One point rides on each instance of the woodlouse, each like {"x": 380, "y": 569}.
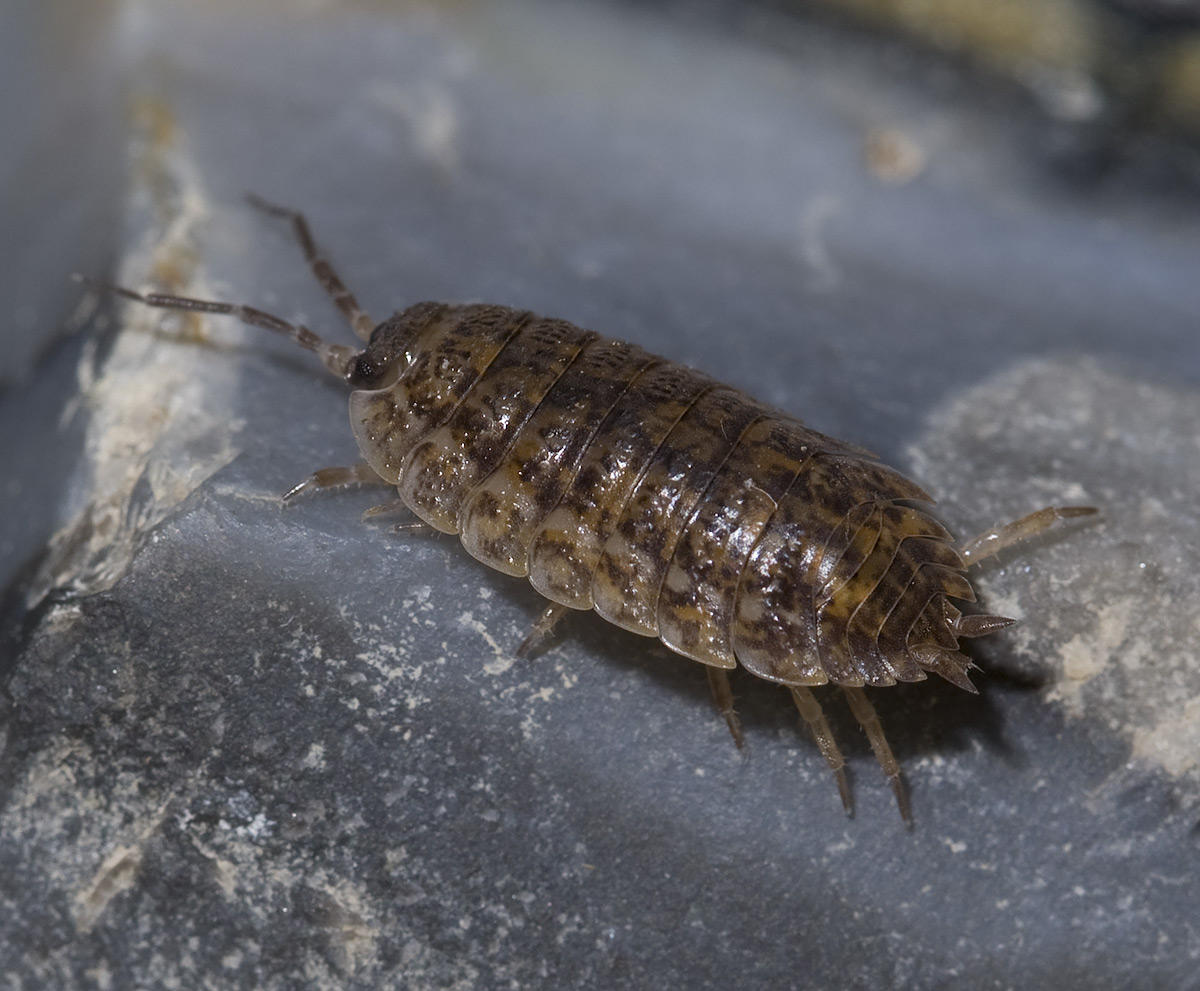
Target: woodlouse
{"x": 672, "y": 505}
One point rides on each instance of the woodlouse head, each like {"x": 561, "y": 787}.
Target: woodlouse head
{"x": 389, "y": 351}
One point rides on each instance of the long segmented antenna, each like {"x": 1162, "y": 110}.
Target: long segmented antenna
{"x": 343, "y": 298}
{"x": 338, "y": 358}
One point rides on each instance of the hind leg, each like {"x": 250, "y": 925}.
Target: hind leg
{"x": 867, "y": 718}
{"x": 993, "y": 541}
{"x": 718, "y": 684}
{"x": 811, "y": 713}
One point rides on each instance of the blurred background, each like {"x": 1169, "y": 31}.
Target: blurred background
{"x": 245, "y": 746}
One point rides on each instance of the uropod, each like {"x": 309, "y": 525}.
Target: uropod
{"x": 674, "y": 506}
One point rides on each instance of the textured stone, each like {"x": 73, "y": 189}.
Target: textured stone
{"x": 248, "y": 745}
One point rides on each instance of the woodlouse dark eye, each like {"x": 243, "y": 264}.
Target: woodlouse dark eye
{"x": 366, "y": 371}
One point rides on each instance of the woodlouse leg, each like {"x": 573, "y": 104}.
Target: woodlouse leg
{"x": 396, "y": 506}
{"x": 338, "y": 358}
{"x": 543, "y": 629}
{"x": 332, "y": 478}
{"x": 868, "y": 719}
{"x": 810, "y": 712}
{"x": 386, "y": 509}
{"x": 359, "y": 474}
{"x": 342, "y": 297}
{"x": 722, "y": 693}
{"x": 993, "y": 541}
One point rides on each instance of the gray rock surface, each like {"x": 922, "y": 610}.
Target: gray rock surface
{"x": 265, "y": 747}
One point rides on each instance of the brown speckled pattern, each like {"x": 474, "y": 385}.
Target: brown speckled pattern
{"x": 566, "y": 549}
{"x": 442, "y": 470}
{"x": 499, "y": 519}
{"x": 635, "y": 559}
{"x": 674, "y": 506}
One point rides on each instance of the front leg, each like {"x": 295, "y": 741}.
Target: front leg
{"x": 334, "y": 478}
{"x": 359, "y": 474}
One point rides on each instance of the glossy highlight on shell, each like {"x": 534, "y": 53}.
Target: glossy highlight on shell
{"x": 672, "y": 505}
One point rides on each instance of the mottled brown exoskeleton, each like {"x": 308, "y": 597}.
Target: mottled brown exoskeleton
{"x": 672, "y": 505}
